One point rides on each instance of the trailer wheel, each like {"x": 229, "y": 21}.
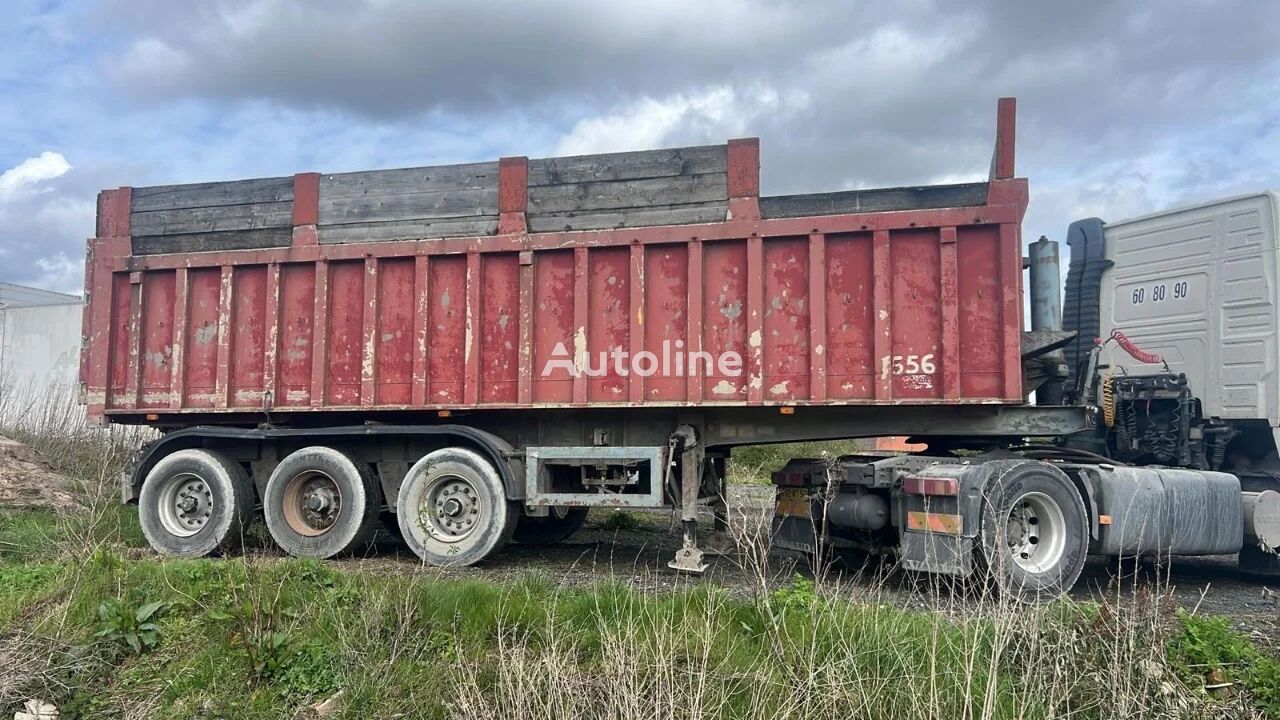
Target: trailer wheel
{"x": 556, "y": 526}
{"x": 1035, "y": 533}
{"x": 195, "y": 503}
{"x": 320, "y": 502}
{"x": 453, "y": 508}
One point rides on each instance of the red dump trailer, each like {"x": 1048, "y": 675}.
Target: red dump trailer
{"x": 482, "y": 352}
{"x": 328, "y": 295}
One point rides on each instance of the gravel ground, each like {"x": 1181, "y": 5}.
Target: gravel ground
{"x": 637, "y": 555}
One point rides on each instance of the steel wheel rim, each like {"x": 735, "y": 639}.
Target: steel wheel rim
{"x": 312, "y": 503}
{"x": 184, "y": 504}
{"x": 451, "y": 509}
{"x": 1036, "y": 532}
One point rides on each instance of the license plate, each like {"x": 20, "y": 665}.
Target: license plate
{"x": 792, "y": 502}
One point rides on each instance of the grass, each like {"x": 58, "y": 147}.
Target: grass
{"x": 259, "y": 637}
{"x": 752, "y": 465}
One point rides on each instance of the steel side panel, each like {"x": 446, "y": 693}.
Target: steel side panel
{"x": 857, "y": 309}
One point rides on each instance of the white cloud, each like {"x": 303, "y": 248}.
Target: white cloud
{"x": 44, "y": 217}
{"x": 712, "y": 116}
{"x": 31, "y": 172}
{"x": 61, "y": 273}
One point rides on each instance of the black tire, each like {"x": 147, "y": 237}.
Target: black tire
{"x": 556, "y": 526}
{"x": 346, "y": 503}
{"x": 1034, "y": 538}
{"x": 195, "y": 503}
{"x": 453, "y": 508}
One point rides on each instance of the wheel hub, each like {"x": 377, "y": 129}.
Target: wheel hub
{"x": 186, "y": 504}
{"x": 1035, "y": 532}
{"x": 312, "y": 503}
{"x": 453, "y": 509}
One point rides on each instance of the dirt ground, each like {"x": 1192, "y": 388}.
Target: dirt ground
{"x": 27, "y": 481}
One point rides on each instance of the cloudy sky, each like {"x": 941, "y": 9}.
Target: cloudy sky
{"x": 1124, "y": 108}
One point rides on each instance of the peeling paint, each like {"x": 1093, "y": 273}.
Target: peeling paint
{"x": 755, "y": 340}
{"x": 467, "y": 335}
{"x": 580, "y": 349}
{"x": 724, "y": 387}
{"x": 756, "y": 382}
{"x": 780, "y": 388}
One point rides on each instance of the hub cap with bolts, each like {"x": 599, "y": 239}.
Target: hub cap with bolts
{"x": 186, "y": 504}
{"x": 452, "y": 509}
{"x": 1036, "y": 532}
{"x": 312, "y": 503}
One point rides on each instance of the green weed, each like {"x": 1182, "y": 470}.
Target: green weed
{"x": 620, "y": 521}
{"x": 133, "y": 628}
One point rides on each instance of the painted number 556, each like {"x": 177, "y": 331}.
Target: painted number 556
{"x": 911, "y": 364}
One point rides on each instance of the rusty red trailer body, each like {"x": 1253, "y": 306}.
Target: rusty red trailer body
{"x": 826, "y": 302}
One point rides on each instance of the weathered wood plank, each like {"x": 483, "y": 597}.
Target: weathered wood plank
{"x": 407, "y": 230}
{"x": 879, "y": 200}
{"x": 212, "y": 219}
{"x": 409, "y": 206}
{"x": 622, "y": 194}
{"x": 212, "y": 194}
{"x": 628, "y": 165}
{"x": 630, "y": 217}
{"x": 470, "y": 176}
{"x": 214, "y": 241}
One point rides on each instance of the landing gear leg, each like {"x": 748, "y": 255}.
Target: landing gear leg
{"x": 689, "y": 557}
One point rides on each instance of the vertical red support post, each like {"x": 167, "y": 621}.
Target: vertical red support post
{"x": 133, "y": 390}
{"x": 635, "y": 381}
{"x": 110, "y": 244}
{"x": 369, "y": 356}
{"x": 743, "y": 173}
{"x": 524, "y": 382}
{"x": 755, "y": 319}
{"x": 817, "y": 317}
{"x": 306, "y": 209}
{"x": 1006, "y": 130}
{"x": 182, "y": 305}
{"x": 271, "y": 354}
{"x": 693, "y": 311}
{"x": 950, "y": 297}
{"x": 320, "y": 337}
{"x": 580, "y": 290}
{"x": 421, "y": 328}
{"x": 1005, "y": 189}
{"x": 513, "y": 195}
{"x": 226, "y": 324}
{"x": 471, "y": 338}
{"x": 882, "y": 302}
{"x": 1011, "y": 308}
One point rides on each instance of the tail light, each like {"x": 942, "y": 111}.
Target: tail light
{"x": 922, "y": 485}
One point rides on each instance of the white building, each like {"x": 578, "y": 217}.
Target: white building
{"x": 39, "y": 344}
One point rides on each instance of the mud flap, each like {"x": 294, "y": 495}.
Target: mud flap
{"x": 937, "y": 553}
{"x": 128, "y": 491}
{"x": 793, "y": 533}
